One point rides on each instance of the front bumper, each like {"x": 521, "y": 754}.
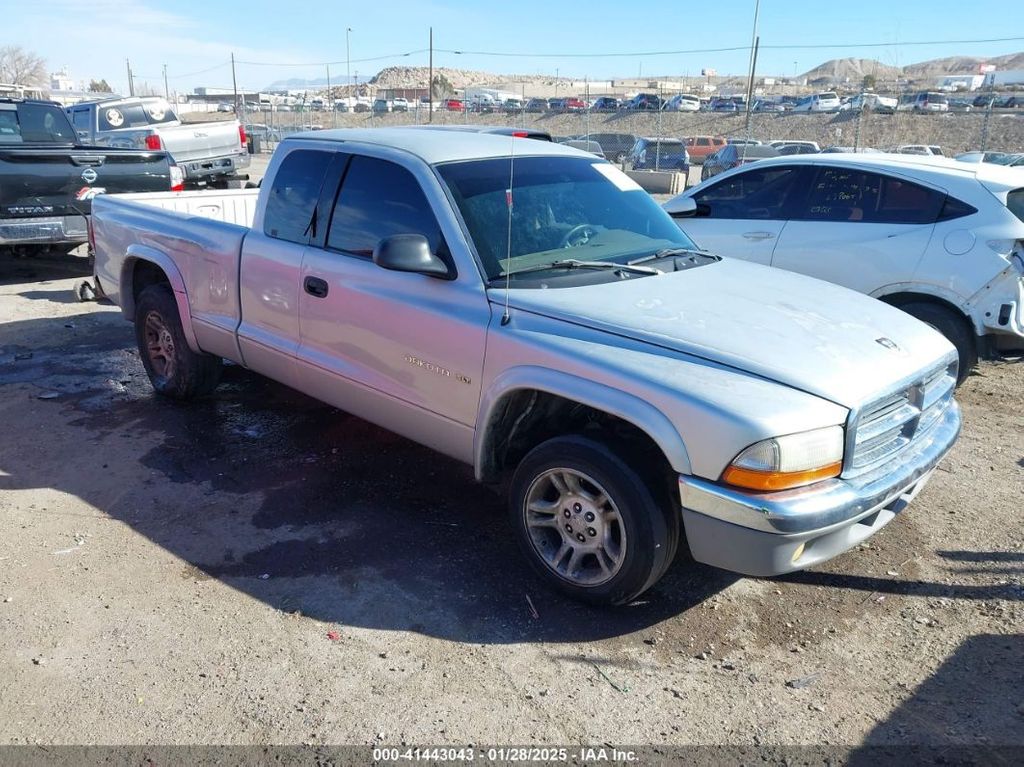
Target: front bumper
{"x": 773, "y": 533}
{"x": 49, "y": 230}
{"x": 215, "y": 166}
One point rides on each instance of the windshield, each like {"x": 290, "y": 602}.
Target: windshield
{"x": 22, "y": 123}
{"x": 563, "y": 208}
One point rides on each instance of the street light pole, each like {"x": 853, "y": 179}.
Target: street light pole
{"x": 348, "y": 58}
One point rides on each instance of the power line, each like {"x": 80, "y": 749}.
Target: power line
{"x": 729, "y": 49}
{"x": 327, "y": 63}
{"x": 619, "y": 54}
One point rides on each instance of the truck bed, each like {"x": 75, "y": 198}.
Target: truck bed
{"x": 195, "y": 237}
{"x": 233, "y": 206}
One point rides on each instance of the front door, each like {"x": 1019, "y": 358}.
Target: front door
{"x": 400, "y": 349}
{"x": 743, "y": 215}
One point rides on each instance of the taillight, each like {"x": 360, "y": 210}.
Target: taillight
{"x": 153, "y": 142}
{"x": 177, "y": 179}
{"x": 520, "y": 134}
{"x": 241, "y": 135}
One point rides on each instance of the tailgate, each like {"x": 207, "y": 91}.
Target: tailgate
{"x": 201, "y": 141}
{"x": 62, "y": 181}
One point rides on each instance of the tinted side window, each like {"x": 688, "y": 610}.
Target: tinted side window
{"x": 81, "y": 119}
{"x": 759, "y": 193}
{"x": 294, "y": 195}
{"x": 848, "y": 194}
{"x": 379, "y": 199}
{"x": 703, "y": 142}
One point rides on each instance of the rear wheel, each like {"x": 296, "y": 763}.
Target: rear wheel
{"x": 588, "y": 523}
{"x": 173, "y": 368}
{"x": 954, "y": 327}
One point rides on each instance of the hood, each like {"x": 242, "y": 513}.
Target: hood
{"x": 802, "y": 332}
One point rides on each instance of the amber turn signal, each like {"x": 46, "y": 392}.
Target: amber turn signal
{"x": 778, "y": 480}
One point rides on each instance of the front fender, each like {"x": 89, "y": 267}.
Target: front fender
{"x": 137, "y": 252}
{"x": 629, "y": 408}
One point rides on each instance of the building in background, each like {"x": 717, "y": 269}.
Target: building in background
{"x": 1005, "y": 77}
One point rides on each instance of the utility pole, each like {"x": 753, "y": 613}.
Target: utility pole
{"x": 750, "y": 85}
{"x": 234, "y": 82}
{"x": 131, "y": 79}
{"x": 430, "y": 80}
{"x": 330, "y": 98}
{"x": 754, "y": 64}
{"x": 167, "y": 91}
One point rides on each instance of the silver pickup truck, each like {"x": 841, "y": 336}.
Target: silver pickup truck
{"x": 526, "y": 308}
{"x": 207, "y": 152}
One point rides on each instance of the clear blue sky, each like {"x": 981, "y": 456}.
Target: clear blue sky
{"x": 93, "y": 37}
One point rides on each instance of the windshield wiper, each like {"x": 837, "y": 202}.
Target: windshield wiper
{"x": 665, "y": 253}
{"x": 573, "y": 263}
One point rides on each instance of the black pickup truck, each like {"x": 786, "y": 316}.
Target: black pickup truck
{"x": 48, "y": 179}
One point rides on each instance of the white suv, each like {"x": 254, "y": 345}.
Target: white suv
{"x": 819, "y": 102}
{"x": 940, "y": 239}
{"x": 683, "y": 102}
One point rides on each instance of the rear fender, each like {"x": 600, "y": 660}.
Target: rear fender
{"x": 137, "y": 253}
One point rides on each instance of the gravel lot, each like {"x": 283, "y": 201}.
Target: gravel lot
{"x": 260, "y": 568}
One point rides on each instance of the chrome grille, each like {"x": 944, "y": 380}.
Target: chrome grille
{"x": 885, "y": 427}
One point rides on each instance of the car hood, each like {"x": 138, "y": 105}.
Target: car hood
{"x": 802, "y": 332}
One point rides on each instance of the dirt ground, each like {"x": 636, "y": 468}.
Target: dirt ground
{"x": 175, "y": 574}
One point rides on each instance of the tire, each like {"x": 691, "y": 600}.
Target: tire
{"x": 174, "y": 370}
{"x": 954, "y": 327}
{"x": 572, "y": 487}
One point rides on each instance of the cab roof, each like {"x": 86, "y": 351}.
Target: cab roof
{"x": 439, "y": 146}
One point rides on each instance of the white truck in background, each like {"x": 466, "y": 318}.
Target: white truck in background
{"x": 208, "y": 153}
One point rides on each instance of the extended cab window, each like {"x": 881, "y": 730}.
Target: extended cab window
{"x": 294, "y": 195}
{"x": 378, "y": 199}
{"x": 760, "y": 193}
{"x": 850, "y": 194}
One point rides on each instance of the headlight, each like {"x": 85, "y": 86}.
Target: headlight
{"x": 790, "y": 461}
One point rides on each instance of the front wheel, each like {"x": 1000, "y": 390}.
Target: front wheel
{"x": 588, "y": 523}
{"x": 173, "y": 368}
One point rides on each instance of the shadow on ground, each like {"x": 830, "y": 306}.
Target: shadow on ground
{"x": 968, "y": 712}
{"x": 303, "y": 506}
{"x": 41, "y": 267}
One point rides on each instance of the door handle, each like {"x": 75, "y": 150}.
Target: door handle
{"x": 757, "y": 235}
{"x": 315, "y": 287}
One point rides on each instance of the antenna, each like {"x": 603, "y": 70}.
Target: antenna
{"x": 506, "y": 317}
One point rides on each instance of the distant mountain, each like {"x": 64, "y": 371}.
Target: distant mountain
{"x": 963, "y": 65}
{"x": 852, "y": 70}
{"x": 298, "y": 84}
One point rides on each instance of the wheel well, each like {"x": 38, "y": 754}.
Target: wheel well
{"x": 144, "y": 274}
{"x": 526, "y": 417}
{"x": 899, "y": 300}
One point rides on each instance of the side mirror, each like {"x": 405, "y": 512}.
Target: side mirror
{"x": 409, "y": 253}
{"x": 681, "y": 207}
